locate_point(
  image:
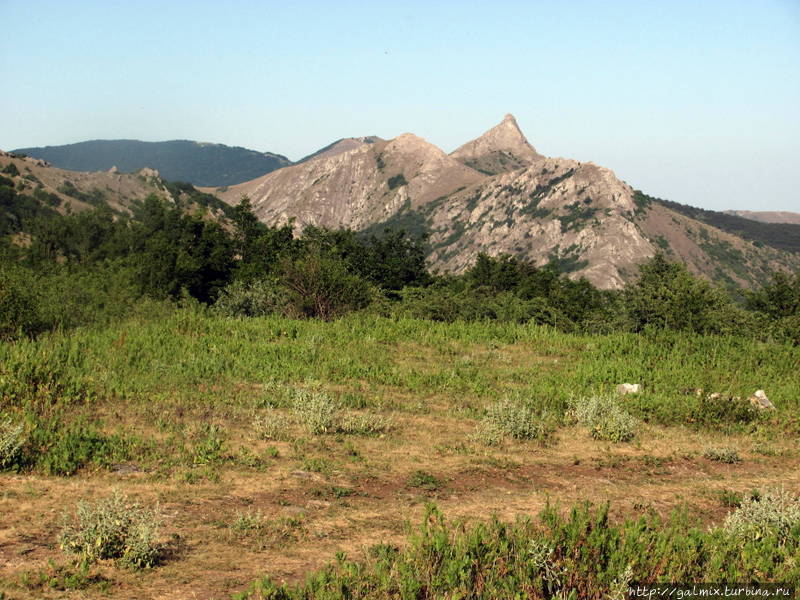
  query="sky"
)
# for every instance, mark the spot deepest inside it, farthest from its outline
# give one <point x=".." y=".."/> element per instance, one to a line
<point x="696" y="102"/>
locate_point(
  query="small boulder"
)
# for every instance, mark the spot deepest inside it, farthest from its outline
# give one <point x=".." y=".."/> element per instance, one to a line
<point x="760" y="401"/>
<point x="628" y="388"/>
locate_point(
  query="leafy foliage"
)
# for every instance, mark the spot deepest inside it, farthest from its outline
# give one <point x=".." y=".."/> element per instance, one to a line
<point x="578" y="555"/>
<point x="113" y="528"/>
<point x="605" y="418"/>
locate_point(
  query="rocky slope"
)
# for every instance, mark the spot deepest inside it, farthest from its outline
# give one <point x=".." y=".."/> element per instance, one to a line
<point x="30" y="187"/>
<point x="500" y="150"/>
<point x="497" y="194"/>
<point x="355" y="188"/>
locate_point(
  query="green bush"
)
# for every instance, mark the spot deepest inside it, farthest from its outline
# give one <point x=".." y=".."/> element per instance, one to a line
<point x="257" y="298"/>
<point x="59" y="450"/>
<point x="323" y="287"/>
<point x="580" y="554"/>
<point x="667" y="296"/>
<point x="316" y="411"/>
<point x="113" y="528"/>
<point x="11" y="169"/>
<point x="19" y="304"/>
<point x="772" y="513"/>
<point x="271" y="425"/>
<point x="604" y="417"/>
<point x="723" y="454"/>
<point x="513" y="419"/>
<point x="12" y="437"/>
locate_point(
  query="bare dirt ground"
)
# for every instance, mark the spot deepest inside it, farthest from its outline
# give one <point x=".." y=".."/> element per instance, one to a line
<point x="223" y="530"/>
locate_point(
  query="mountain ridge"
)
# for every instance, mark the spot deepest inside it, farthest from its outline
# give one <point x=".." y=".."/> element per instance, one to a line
<point x="496" y="194"/>
<point x="198" y="163"/>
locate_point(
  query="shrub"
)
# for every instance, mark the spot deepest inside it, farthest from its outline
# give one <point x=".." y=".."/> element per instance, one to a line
<point x="271" y="425"/>
<point x="724" y="454"/>
<point x="364" y="424"/>
<point x="11" y="169"/>
<point x="19" y="306"/>
<point x="210" y="445"/>
<point x="323" y="287"/>
<point x="316" y="411"/>
<point x="251" y="299"/>
<point x="667" y="295"/>
<point x="113" y="528"/>
<point x="396" y="181"/>
<point x="63" y="450"/>
<point x="12" y="437"/>
<point x="512" y="419"/>
<point x="604" y="417"/>
<point x="774" y="512"/>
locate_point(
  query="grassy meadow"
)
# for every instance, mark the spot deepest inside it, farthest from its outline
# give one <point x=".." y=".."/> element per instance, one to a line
<point x="370" y="457"/>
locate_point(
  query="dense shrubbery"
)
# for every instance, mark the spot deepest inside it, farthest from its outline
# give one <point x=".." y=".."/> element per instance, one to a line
<point x="582" y="555"/>
<point x="96" y="265"/>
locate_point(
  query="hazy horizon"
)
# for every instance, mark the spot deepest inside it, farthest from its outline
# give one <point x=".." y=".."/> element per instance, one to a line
<point x="693" y="103"/>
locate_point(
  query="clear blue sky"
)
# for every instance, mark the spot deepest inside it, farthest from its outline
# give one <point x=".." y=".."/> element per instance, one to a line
<point x="698" y="102"/>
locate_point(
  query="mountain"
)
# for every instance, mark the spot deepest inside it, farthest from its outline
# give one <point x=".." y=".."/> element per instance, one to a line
<point x="339" y="146"/>
<point x="767" y="216"/>
<point x="502" y="149"/>
<point x="30" y="188"/>
<point x="177" y="160"/>
<point x="497" y="194"/>
<point x="355" y="188"/>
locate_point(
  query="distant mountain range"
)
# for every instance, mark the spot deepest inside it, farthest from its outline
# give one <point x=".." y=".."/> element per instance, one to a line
<point x="495" y="194"/>
<point x="177" y="160"/>
<point x="766" y="216"/>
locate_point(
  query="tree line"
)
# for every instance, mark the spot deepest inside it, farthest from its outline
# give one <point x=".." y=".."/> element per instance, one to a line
<point x="92" y="266"/>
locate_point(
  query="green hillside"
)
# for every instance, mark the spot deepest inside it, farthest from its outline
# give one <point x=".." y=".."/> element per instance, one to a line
<point x="176" y="160"/>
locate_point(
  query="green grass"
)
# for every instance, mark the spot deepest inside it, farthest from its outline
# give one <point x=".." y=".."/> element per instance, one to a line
<point x="186" y="394"/>
<point x="189" y="360"/>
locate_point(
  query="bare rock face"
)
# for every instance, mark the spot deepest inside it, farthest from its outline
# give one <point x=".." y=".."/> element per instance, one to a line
<point x="576" y="214"/>
<point x="149" y="173"/>
<point x="355" y="188"/>
<point x="341" y="146"/>
<point x="501" y="149"/>
<point x="498" y="195"/>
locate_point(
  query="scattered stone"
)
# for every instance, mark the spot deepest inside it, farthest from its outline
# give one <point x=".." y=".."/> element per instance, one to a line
<point x="760" y="401"/>
<point x="629" y="388"/>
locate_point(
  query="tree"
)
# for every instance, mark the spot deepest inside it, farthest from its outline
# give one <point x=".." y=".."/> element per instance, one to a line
<point x="778" y="299"/>
<point x="258" y="247"/>
<point x="667" y="296"/>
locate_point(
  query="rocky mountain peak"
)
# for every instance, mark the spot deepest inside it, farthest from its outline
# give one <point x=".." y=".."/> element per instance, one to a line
<point x="502" y="149"/>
